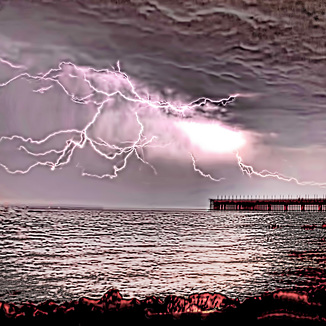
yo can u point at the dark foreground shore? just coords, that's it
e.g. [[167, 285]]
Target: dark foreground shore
[[293, 307]]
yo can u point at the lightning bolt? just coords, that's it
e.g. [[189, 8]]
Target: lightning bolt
[[205, 175], [11, 65], [249, 170], [42, 90], [79, 138], [100, 98]]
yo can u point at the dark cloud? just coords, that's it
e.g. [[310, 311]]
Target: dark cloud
[[273, 56]]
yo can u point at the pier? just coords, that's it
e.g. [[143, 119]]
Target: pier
[[265, 204]]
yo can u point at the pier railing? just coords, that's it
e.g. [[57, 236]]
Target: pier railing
[[280, 204]]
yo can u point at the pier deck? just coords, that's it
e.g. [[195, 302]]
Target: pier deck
[[281, 204]]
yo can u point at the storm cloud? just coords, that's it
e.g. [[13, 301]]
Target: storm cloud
[[271, 56]]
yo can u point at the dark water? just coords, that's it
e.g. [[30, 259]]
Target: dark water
[[66, 254]]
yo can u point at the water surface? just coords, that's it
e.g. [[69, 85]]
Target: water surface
[[66, 254]]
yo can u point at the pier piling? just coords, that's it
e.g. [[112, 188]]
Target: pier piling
[[265, 204]]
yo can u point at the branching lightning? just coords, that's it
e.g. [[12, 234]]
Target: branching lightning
[[98, 97], [249, 170], [79, 138]]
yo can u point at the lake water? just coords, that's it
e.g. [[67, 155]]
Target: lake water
[[66, 254]]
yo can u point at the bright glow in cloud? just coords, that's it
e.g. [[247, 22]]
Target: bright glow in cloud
[[212, 137]]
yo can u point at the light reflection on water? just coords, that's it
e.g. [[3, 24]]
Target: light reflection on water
[[67, 254]]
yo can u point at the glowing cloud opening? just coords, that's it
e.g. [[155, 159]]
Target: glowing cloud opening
[[212, 137]]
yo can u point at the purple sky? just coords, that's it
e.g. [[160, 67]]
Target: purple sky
[[273, 57]]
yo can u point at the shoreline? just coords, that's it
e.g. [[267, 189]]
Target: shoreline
[[294, 306]]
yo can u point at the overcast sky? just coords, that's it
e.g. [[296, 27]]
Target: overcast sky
[[272, 57]]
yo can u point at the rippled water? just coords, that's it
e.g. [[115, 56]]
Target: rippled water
[[65, 254]]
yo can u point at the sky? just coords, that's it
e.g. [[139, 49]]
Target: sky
[[167, 103]]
